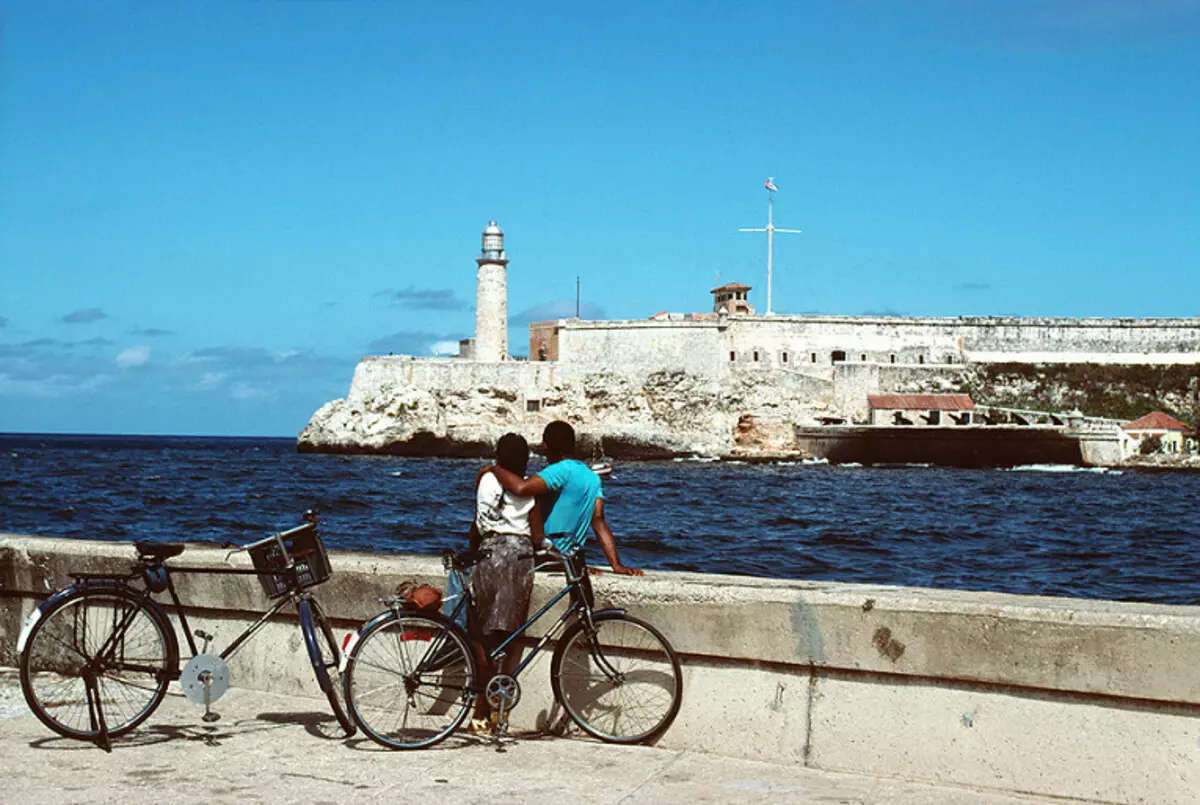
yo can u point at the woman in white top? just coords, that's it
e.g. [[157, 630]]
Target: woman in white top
[[507, 528]]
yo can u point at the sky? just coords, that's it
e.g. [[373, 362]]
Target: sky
[[209, 211]]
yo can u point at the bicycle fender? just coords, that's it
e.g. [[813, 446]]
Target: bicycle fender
[[353, 638], [36, 615], [609, 611]]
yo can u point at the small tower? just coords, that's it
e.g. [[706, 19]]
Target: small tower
[[731, 298], [491, 298]]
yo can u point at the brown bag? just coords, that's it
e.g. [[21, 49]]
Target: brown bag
[[419, 596]]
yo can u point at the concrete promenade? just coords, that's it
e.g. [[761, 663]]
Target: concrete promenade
[[1053, 697], [270, 748]]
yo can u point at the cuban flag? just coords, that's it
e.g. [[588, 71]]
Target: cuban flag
[[770, 185]]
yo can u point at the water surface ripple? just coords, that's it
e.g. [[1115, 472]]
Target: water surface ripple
[[1128, 536]]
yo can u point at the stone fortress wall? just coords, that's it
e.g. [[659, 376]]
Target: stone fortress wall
[[715, 383], [723, 344]]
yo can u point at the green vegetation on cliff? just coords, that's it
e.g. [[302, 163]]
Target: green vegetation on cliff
[[1117, 391]]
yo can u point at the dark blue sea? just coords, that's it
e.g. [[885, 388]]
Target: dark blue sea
[[1128, 535]]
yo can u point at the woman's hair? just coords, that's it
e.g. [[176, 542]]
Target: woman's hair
[[512, 453]]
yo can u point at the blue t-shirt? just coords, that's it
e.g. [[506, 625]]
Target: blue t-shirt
[[574, 489]]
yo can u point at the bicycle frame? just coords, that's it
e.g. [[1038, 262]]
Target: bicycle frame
[[292, 596], [581, 607]]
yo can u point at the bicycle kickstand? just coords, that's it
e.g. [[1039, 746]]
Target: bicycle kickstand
[[500, 736], [96, 713]]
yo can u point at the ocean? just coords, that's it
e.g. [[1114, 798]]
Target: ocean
[[1061, 531]]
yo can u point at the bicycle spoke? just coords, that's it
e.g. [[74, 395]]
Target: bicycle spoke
[[408, 682], [620, 681]]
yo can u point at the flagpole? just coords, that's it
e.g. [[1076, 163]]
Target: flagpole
[[770, 243], [770, 230]]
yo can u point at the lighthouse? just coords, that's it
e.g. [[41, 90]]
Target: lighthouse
[[491, 298]]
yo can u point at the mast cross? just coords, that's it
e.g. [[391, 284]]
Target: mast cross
[[771, 229]]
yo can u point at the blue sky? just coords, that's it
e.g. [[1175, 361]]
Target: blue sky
[[210, 211]]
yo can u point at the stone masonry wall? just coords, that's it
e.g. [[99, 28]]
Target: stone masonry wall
[[732, 384]]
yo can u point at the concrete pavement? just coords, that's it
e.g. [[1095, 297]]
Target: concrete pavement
[[270, 748]]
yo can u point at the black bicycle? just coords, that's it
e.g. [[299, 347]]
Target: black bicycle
[[98, 655], [410, 676]]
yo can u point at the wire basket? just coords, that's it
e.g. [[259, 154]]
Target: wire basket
[[301, 549]]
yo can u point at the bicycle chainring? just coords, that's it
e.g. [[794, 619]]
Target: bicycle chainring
[[502, 689], [204, 670]]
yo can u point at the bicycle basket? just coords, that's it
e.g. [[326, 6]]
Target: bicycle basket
[[307, 553]]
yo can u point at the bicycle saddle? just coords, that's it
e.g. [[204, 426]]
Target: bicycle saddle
[[158, 550]]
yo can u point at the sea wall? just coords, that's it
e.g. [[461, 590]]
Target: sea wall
[[1061, 697]]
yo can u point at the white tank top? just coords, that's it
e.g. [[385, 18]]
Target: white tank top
[[497, 511]]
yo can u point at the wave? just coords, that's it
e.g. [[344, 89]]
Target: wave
[[696, 459], [1061, 468]]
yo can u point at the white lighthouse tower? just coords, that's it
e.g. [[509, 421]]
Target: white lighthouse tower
[[491, 298]]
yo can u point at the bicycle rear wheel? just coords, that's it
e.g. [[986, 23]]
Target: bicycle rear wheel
[[100, 652], [621, 683], [325, 656], [409, 680]]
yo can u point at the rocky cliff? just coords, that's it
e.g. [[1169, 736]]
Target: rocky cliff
[[1100, 390], [407, 407], [658, 415]]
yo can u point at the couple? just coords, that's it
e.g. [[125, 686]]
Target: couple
[[514, 513]]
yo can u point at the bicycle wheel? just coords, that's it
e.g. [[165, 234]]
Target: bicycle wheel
[[621, 683], [325, 657], [100, 651], [409, 680]]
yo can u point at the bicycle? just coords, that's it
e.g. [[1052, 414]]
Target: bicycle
[[98, 655], [410, 676]]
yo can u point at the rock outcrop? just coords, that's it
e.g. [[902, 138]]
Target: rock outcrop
[[659, 415], [405, 406]]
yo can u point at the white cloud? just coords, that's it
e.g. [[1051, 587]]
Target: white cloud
[[209, 381], [134, 356], [444, 348], [244, 391], [53, 387]]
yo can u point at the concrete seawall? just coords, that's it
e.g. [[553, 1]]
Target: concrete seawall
[[1063, 697]]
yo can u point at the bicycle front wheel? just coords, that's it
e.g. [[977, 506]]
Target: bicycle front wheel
[[621, 683], [100, 653], [409, 680], [325, 656]]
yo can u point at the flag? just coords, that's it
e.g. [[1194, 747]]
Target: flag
[[770, 185]]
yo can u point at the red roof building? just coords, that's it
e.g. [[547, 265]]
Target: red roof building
[[923, 409], [1156, 433], [922, 402], [732, 298], [1155, 421]]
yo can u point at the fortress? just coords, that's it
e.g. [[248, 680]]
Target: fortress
[[720, 383]]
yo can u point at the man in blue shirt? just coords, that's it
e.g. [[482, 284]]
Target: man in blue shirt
[[570, 496]]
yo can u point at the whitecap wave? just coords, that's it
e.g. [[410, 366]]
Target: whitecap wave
[[1061, 468]]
